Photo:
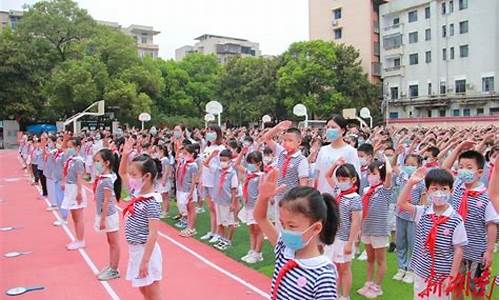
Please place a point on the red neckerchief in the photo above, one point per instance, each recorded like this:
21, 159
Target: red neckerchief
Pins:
66, 166
182, 170
32, 152
286, 163
285, 269
364, 169
245, 185
434, 164
96, 182
222, 177
366, 199
58, 154
353, 189
463, 208
268, 169
130, 207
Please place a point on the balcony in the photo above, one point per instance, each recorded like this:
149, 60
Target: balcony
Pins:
335, 23
392, 27
376, 27
148, 46
392, 71
376, 69
228, 48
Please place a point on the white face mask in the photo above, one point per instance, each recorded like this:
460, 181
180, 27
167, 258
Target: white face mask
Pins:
224, 164
439, 198
135, 184
267, 160
345, 185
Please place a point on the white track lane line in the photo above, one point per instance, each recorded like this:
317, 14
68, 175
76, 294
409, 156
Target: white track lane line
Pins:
206, 261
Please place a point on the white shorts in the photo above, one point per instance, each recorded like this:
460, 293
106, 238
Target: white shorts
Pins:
391, 217
164, 188
246, 216
89, 163
182, 201
224, 216
135, 254
375, 241
419, 285
51, 191
112, 223
335, 252
69, 201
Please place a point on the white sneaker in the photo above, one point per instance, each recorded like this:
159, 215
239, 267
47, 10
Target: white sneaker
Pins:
373, 292
215, 238
409, 277
75, 245
362, 291
51, 208
244, 258
207, 236
255, 258
363, 256
60, 223
399, 275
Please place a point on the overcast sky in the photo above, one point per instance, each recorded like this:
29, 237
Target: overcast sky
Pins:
274, 24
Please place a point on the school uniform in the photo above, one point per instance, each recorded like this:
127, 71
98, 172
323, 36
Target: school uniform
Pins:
487, 172
167, 187
298, 279
374, 226
139, 212
250, 193
112, 219
363, 179
41, 171
208, 173
58, 175
225, 181
88, 154
49, 175
431, 270
73, 167
184, 182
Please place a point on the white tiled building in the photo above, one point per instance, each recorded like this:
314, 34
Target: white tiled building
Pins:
143, 35
439, 58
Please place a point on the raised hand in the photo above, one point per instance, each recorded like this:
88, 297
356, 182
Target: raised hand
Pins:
419, 175
468, 144
128, 146
268, 186
284, 125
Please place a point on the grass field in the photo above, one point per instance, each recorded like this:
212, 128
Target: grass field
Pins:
392, 289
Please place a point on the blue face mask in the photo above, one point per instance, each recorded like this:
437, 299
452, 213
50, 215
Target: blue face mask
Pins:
211, 136
71, 151
252, 168
409, 170
466, 176
361, 141
332, 134
98, 167
293, 239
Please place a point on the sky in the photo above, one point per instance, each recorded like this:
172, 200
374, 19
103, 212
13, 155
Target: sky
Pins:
274, 24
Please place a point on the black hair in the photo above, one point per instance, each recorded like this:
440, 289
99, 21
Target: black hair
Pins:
317, 207
197, 147
234, 145
254, 158
366, 148
348, 171
488, 154
389, 148
380, 166
416, 156
146, 165
191, 149
248, 138
472, 154
440, 177
76, 141
268, 151
341, 121
226, 153
114, 163
53, 138
218, 131
295, 131
434, 151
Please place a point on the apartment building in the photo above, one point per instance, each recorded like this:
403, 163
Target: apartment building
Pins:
10, 18
143, 35
440, 59
352, 22
222, 46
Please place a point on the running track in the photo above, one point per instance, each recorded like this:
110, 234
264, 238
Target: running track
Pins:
191, 270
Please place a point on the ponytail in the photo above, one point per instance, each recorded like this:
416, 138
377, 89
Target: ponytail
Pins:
331, 224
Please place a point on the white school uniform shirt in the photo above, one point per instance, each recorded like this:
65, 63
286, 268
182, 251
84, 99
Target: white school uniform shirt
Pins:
327, 156
207, 174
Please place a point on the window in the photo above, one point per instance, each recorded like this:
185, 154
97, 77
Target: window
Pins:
442, 113
443, 8
394, 93
413, 37
462, 4
464, 27
444, 53
452, 30
412, 16
427, 12
428, 57
397, 62
488, 84
451, 6
414, 59
428, 34
442, 88
444, 30
429, 113
337, 33
395, 21
480, 111
337, 13
456, 112
413, 90
452, 52
464, 51
144, 40
493, 110
393, 115
460, 86
466, 112
392, 41
429, 88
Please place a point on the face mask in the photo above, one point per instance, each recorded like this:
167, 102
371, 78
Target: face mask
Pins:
58, 146
224, 164
99, 167
409, 170
246, 143
293, 239
361, 141
252, 168
211, 136
98, 137
267, 160
439, 198
344, 186
373, 180
390, 158
135, 184
332, 134
466, 176
363, 161
177, 134
71, 151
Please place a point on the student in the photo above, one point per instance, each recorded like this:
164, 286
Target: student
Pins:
187, 194
470, 199
59, 158
250, 193
390, 153
107, 218
493, 185
49, 171
75, 198
141, 226
88, 155
405, 226
224, 195
165, 185
349, 204
268, 159
439, 235
308, 219
431, 157
374, 230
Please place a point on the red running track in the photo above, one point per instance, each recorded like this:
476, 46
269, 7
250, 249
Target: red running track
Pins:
191, 269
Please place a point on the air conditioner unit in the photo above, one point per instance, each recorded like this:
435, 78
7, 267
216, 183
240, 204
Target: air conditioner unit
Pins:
335, 22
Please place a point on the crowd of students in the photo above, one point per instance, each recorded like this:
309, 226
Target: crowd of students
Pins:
318, 196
